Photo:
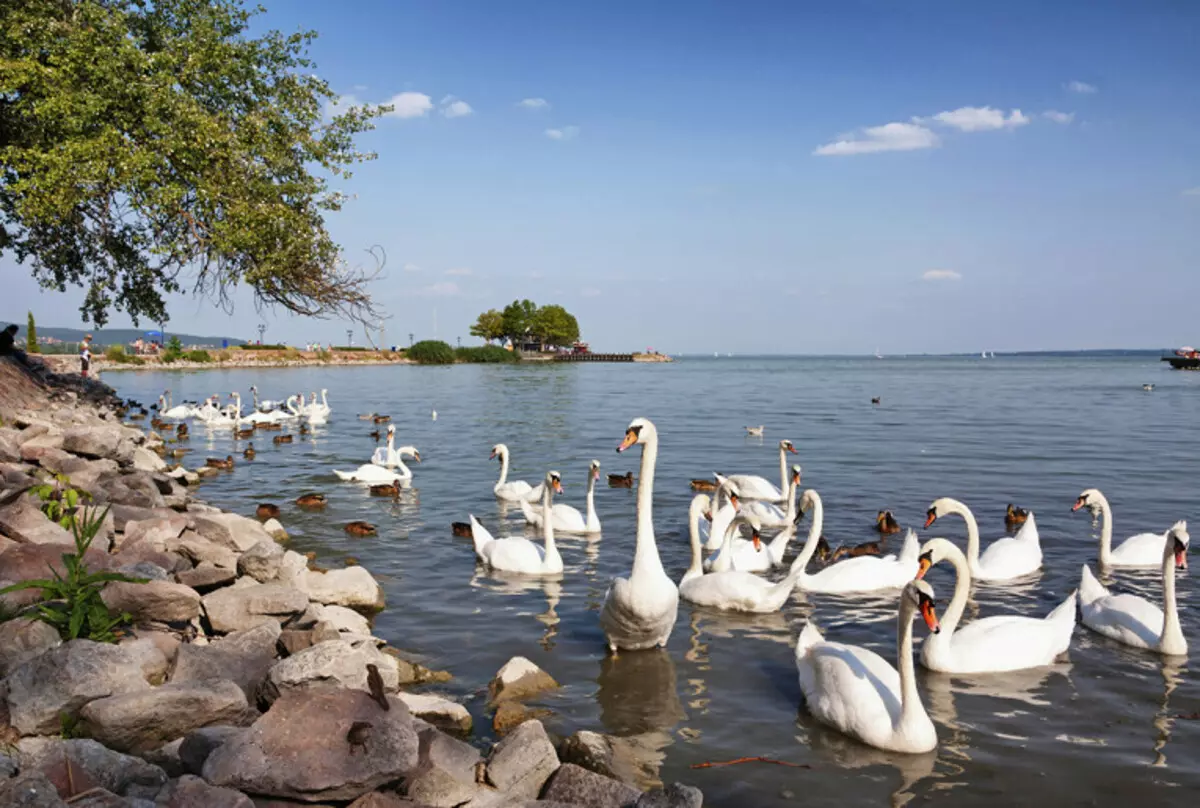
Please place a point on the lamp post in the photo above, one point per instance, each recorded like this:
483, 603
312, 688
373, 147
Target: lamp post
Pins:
410, 339
460, 342
349, 337
262, 329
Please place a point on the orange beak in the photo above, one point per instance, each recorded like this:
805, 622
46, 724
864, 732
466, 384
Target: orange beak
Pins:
930, 519
930, 616
557, 487
707, 516
417, 456
792, 449
1079, 503
757, 541
923, 567
492, 456
1180, 556
796, 479
630, 439
735, 501
595, 474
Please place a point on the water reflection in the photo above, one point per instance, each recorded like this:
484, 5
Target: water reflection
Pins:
516, 585
639, 702
1173, 671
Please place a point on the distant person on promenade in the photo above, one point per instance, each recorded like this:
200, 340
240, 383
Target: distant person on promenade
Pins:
85, 355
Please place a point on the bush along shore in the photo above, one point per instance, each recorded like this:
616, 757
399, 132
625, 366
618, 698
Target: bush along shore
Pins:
156, 651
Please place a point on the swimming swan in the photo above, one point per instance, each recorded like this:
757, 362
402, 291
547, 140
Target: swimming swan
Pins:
378, 475
517, 553
1134, 620
756, 487
567, 518
1002, 642
1006, 558
857, 692
1142, 550
732, 590
639, 611
771, 515
516, 490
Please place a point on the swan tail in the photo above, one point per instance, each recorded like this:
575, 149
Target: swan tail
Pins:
911, 550
1090, 589
809, 637
1063, 618
344, 476
479, 536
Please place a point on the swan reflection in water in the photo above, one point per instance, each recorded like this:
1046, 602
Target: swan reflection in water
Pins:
517, 585
1173, 671
639, 706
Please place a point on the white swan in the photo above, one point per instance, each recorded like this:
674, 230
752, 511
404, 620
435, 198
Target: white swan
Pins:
639, 612
378, 475
755, 487
713, 535
517, 553
319, 413
1142, 550
1134, 620
517, 489
1003, 642
749, 555
567, 518
857, 692
860, 574
177, 412
733, 590
387, 456
771, 515
1006, 558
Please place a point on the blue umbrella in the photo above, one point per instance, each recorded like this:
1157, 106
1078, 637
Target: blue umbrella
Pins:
153, 333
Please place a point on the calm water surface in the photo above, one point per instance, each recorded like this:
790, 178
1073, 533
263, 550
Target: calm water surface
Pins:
1103, 728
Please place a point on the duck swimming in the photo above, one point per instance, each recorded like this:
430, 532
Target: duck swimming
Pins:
278, 439
267, 511
886, 524
217, 463
385, 490
360, 529
311, 501
249, 453
1014, 517
621, 480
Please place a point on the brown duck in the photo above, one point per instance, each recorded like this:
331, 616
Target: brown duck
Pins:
377, 435
303, 428
249, 453
462, 529
621, 480
886, 524
703, 485
385, 490
278, 439
360, 529
311, 501
268, 426
872, 548
217, 463
267, 511
1014, 517
381, 419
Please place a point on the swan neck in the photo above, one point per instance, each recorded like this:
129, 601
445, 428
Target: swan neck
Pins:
503, 467
697, 565
1171, 640
958, 603
814, 536
548, 517
910, 701
645, 557
1105, 531
591, 499
972, 536
783, 475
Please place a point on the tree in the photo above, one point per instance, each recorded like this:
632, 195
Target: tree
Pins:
554, 325
148, 145
489, 326
517, 319
31, 343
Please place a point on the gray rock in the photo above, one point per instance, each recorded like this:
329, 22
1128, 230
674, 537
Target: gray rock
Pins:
144, 569
91, 762
518, 680
261, 562
376, 799
200, 550
156, 531
238, 608
137, 722
676, 795
166, 757
146, 460
332, 664
64, 679
448, 753
163, 601
299, 749
343, 619
134, 489
206, 576
576, 785
521, 763
244, 657
198, 745
433, 786
230, 530
30, 790
22, 640
150, 658
25, 522
8, 766
112, 442
192, 792
351, 586
441, 713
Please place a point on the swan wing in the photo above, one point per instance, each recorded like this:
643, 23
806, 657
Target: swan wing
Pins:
1010, 557
862, 574
768, 514
851, 689
752, 486
480, 536
1090, 589
748, 559
514, 554
513, 491
1142, 550
1125, 618
568, 518
1004, 643
733, 591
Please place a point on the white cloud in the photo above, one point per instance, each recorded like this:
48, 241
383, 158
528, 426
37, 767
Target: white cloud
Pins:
533, 103
889, 137
459, 271
1059, 117
409, 105
455, 107
411, 268
444, 289
1081, 87
565, 133
941, 275
981, 119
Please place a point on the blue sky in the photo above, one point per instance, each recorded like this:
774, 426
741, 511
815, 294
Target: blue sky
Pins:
768, 176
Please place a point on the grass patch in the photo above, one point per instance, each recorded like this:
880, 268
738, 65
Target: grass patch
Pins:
486, 354
263, 347
116, 353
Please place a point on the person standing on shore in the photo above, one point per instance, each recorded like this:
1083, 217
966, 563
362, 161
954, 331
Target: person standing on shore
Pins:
85, 355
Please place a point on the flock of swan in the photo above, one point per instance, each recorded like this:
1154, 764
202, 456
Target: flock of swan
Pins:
847, 687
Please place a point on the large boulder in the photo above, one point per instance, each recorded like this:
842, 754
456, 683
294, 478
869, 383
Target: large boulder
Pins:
146, 460
244, 657
112, 442
676, 795
441, 713
142, 721
522, 763
230, 530
85, 763
30, 790
331, 664
199, 551
261, 562
351, 586
577, 786
161, 601
299, 749
236, 608
22, 640
198, 745
192, 792
156, 531
519, 680
25, 522
343, 619
62, 680
206, 576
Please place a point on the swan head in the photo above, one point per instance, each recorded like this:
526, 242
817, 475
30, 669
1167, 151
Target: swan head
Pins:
1178, 540
391, 430
941, 507
640, 430
808, 500
788, 446
796, 474
499, 450
1088, 499
595, 469
755, 530
409, 451
932, 552
732, 492
920, 593
554, 481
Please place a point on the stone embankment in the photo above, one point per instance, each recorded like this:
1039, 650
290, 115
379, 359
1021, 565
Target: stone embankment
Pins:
245, 677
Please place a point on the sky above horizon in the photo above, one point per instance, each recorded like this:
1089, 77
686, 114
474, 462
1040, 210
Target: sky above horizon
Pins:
769, 177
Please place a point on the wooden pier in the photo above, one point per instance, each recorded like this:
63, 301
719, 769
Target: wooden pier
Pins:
594, 357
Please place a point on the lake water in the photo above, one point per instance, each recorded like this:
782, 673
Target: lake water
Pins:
1103, 728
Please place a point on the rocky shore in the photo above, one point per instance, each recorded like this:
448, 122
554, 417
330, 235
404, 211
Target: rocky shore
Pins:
245, 676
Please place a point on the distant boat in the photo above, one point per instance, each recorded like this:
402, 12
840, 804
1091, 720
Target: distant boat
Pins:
715, 354
983, 355
878, 355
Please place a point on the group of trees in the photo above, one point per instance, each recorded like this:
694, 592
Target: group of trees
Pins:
524, 320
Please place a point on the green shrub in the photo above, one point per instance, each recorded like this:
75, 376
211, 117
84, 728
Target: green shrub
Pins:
198, 355
249, 347
487, 354
116, 353
350, 348
224, 356
431, 352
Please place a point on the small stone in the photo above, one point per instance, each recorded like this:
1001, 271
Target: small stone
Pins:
522, 762
354, 587
138, 722
676, 795
198, 745
519, 680
154, 600
192, 792
30, 790
206, 576
343, 619
261, 562
237, 533
276, 529
23, 639
441, 713
578, 786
